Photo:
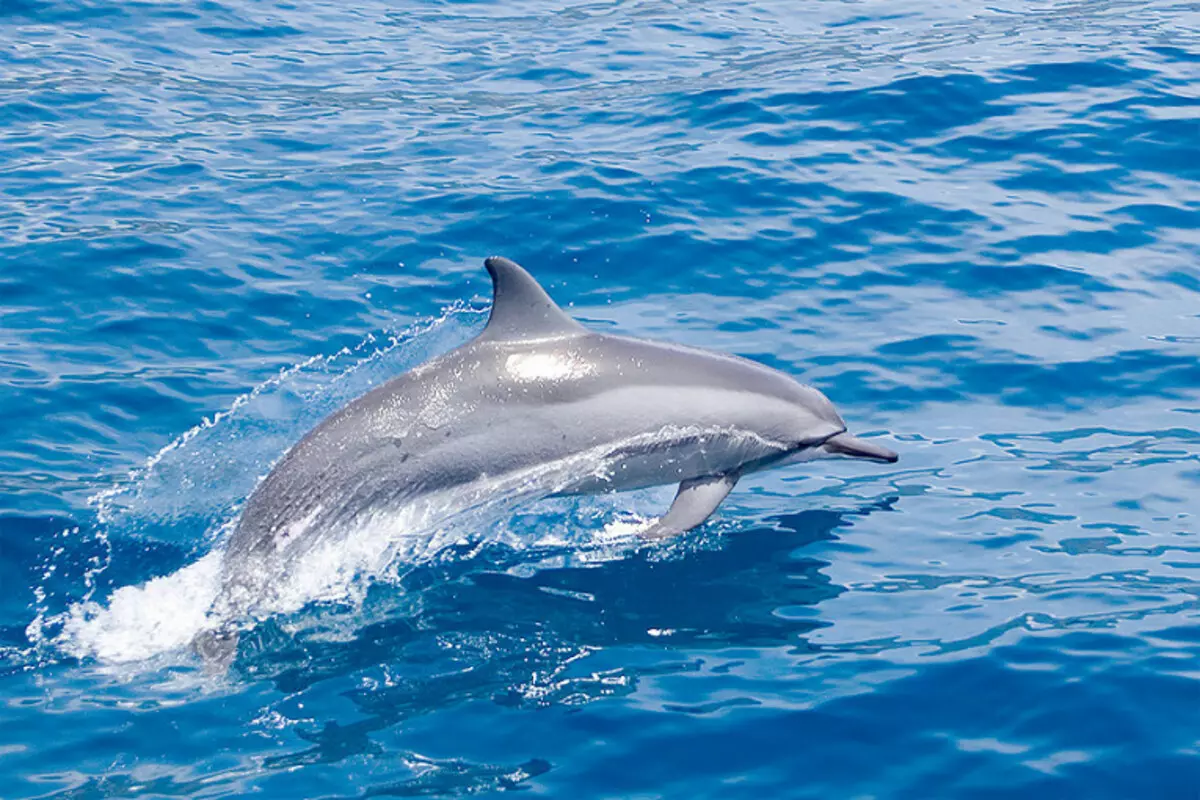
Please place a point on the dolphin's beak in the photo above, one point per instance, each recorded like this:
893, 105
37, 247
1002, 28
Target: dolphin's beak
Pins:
843, 444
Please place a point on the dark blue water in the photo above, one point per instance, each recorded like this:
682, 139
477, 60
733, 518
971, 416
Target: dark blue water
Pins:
974, 226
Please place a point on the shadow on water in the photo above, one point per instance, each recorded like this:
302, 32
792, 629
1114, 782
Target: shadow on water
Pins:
478, 628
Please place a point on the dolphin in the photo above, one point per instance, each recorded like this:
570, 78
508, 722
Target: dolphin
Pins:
536, 387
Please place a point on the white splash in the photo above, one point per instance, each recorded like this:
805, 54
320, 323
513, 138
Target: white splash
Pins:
340, 564
167, 613
625, 530
140, 622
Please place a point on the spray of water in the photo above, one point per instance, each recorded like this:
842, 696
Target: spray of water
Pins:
188, 494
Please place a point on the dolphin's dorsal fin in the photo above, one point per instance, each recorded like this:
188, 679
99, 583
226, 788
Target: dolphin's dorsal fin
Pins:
521, 309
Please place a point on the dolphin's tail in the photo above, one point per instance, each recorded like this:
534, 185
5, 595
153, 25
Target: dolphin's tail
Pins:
216, 649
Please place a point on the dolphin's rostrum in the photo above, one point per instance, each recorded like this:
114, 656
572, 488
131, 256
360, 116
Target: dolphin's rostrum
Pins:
537, 387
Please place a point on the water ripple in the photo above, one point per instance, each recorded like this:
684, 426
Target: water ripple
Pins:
972, 226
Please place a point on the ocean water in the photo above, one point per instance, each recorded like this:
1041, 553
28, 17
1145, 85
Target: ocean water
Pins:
974, 226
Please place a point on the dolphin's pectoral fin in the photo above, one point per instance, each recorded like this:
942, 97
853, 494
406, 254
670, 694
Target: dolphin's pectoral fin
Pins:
695, 502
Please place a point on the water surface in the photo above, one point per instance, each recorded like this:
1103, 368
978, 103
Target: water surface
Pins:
973, 226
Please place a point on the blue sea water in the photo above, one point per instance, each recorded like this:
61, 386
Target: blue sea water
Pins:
974, 226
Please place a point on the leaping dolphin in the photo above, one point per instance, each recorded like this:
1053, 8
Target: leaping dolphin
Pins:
537, 387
